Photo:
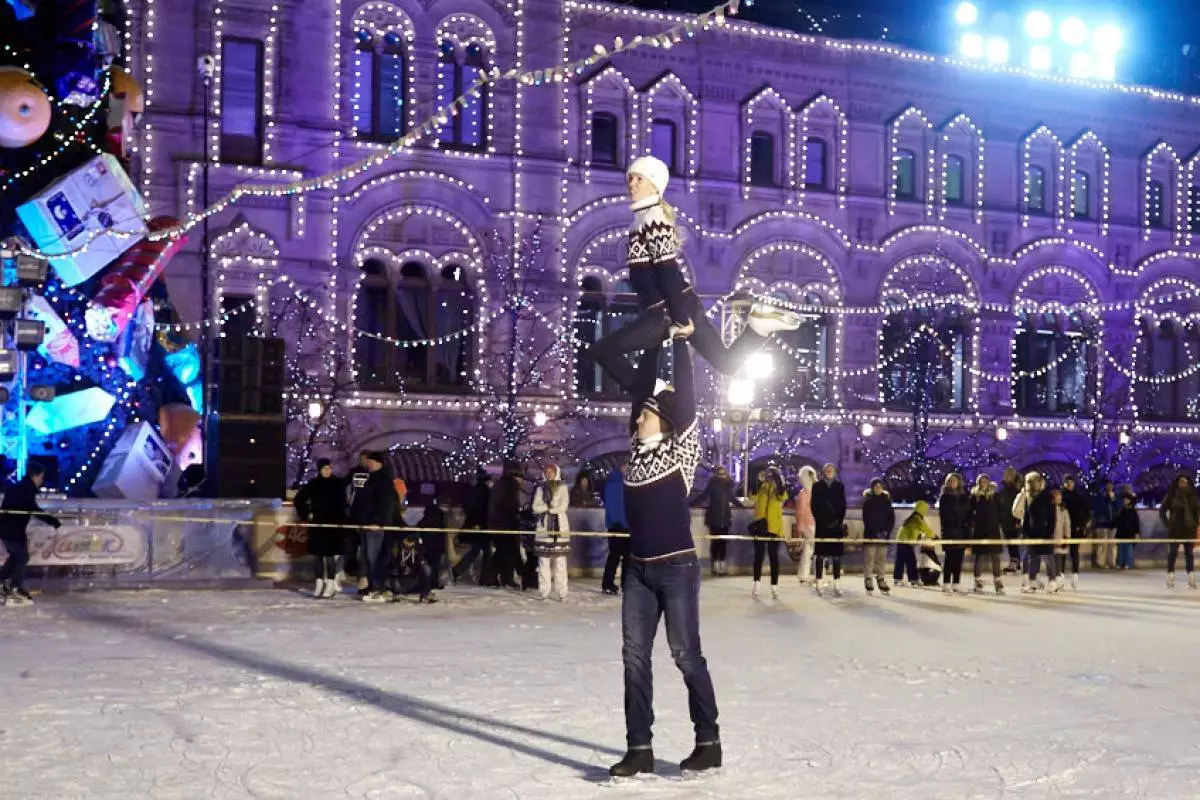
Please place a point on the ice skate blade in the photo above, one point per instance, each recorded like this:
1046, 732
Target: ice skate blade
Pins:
699, 774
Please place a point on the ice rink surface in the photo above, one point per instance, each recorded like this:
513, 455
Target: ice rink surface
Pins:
490, 694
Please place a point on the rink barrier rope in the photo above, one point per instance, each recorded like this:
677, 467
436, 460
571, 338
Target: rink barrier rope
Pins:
617, 535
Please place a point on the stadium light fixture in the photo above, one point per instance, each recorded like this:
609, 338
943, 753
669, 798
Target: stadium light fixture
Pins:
966, 14
1040, 58
971, 45
1082, 65
1073, 31
997, 50
1107, 39
1038, 25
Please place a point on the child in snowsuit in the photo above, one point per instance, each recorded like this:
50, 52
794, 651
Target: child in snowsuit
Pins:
908, 541
1128, 528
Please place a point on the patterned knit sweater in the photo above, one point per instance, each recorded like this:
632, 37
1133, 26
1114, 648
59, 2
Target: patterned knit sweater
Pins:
652, 255
659, 479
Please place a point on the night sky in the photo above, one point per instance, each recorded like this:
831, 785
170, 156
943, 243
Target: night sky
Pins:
1154, 33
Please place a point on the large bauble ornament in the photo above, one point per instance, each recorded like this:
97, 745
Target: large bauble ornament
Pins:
24, 108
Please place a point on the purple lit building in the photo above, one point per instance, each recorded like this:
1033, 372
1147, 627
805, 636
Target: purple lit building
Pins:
943, 226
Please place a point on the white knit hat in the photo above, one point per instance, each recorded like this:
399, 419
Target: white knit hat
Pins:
653, 170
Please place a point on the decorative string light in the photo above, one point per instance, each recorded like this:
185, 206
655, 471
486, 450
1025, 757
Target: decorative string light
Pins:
822, 105
962, 126
911, 117
1171, 185
779, 134
1100, 164
670, 84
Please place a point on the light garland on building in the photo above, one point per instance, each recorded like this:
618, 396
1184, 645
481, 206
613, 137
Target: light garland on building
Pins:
609, 75
950, 131
670, 83
840, 140
1170, 185
780, 138
1088, 140
1052, 178
896, 138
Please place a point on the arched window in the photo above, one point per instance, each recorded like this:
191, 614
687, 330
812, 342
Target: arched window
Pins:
1057, 352
953, 193
1156, 215
1035, 190
605, 136
1081, 195
406, 305
380, 86
905, 174
802, 377
1169, 349
664, 143
924, 372
458, 69
762, 159
597, 317
816, 161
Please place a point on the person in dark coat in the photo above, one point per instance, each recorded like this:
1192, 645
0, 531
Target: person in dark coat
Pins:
1128, 530
1105, 508
374, 509
1079, 509
829, 513
1180, 514
879, 520
954, 509
20, 504
504, 514
476, 520
1038, 523
411, 572
321, 502
718, 517
352, 570
1010, 525
615, 521
986, 508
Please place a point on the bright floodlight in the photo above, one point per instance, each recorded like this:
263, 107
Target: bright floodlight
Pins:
1040, 57
971, 45
1107, 39
966, 14
1073, 31
717, 425
997, 50
1106, 70
1082, 65
1001, 434
759, 365
866, 429
1038, 25
741, 392
315, 409
539, 418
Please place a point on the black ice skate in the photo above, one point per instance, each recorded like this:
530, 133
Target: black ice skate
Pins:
634, 763
705, 757
883, 587
870, 583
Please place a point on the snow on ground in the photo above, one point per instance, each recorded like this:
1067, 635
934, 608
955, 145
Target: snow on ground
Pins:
268, 694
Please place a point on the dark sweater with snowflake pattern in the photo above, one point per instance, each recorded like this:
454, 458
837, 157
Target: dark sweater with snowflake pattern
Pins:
652, 255
659, 480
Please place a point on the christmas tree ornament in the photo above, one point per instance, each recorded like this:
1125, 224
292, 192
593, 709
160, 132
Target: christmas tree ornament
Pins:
126, 283
24, 108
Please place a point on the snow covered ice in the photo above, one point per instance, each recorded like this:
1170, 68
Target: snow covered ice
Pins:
268, 694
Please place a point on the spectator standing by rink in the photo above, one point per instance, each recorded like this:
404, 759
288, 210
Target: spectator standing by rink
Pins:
550, 503
1105, 509
615, 522
1010, 525
20, 504
954, 510
985, 526
1062, 536
583, 493
374, 509
320, 503
1128, 530
829, 513
352, 570
802, 547
1180, 513
879, 520
1037, 523
1019, 507
1079, 510
475, 519
767, 502
504, 514
908, 545
718, 517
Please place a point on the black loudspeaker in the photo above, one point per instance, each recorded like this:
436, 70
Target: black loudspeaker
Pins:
253, 457
251, 375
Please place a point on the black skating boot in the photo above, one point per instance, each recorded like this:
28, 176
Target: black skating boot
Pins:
705, 757
635, 762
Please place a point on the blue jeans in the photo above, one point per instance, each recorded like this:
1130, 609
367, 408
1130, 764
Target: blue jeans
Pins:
377, 556
671, 589
1125, 555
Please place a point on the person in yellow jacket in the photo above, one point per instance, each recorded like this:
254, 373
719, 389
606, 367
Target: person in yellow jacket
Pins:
908, 545
768, 522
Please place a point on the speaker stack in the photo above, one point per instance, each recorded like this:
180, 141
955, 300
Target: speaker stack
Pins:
251, 427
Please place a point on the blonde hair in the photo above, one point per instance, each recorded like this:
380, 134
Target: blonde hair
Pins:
1035, 481
962, 485
671, 216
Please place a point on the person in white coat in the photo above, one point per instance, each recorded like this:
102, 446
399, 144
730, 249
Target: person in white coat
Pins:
550, 503
801, 546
